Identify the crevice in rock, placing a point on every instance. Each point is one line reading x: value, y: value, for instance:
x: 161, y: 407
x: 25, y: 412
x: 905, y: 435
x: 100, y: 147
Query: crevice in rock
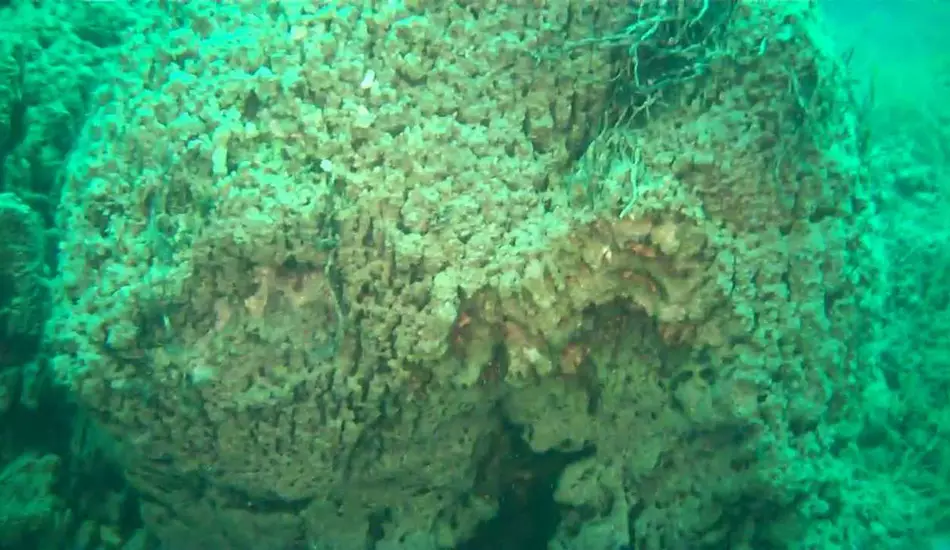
x: 523, y: 482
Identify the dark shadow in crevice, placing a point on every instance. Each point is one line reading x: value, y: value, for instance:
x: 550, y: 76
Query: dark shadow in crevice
x: 523, y: 482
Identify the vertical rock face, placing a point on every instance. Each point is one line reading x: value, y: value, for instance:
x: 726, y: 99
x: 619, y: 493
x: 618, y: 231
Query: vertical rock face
x: 390, y: 274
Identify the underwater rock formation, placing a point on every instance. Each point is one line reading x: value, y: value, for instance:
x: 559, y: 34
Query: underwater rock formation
x: 394, y: 274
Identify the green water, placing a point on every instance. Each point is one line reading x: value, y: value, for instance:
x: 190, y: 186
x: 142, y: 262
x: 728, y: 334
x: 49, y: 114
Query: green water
x: 474, y: 275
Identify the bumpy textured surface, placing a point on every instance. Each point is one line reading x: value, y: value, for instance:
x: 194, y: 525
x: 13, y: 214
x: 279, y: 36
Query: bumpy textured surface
x: 320, y: 265
x: 51, y: 55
